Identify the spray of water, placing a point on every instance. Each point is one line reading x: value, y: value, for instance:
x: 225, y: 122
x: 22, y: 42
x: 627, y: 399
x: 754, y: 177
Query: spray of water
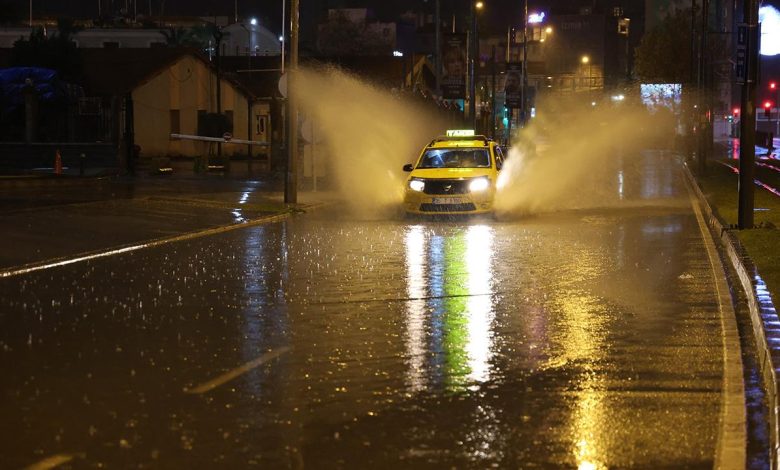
x: 569, y: 159
x: 369, y: 134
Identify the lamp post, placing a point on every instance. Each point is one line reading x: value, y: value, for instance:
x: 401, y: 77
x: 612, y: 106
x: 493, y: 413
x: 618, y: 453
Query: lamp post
x: 524, y: 103
x: 281, y: 37
x: 474, y: 47
x: 291, y: 180
x: 586, y: 61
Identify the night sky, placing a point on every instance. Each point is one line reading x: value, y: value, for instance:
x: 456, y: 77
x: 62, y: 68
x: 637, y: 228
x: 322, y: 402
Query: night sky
x: 499, y: 13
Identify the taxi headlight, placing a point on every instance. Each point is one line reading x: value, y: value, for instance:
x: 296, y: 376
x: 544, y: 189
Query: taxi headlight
x: 416, y: 185
x: 479, y: 184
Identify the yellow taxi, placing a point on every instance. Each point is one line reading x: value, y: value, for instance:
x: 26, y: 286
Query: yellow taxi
x: 455, y: 174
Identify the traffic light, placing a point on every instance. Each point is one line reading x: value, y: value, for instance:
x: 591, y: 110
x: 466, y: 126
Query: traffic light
x: 735, y: 112
x: 767, y: 109
x: 773, y: 85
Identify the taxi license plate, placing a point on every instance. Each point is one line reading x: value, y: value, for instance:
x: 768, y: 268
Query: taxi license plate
x: 447, y: 200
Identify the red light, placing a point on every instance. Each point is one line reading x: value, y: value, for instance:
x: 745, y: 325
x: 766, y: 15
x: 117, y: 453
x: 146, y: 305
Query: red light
x: 735, y: 111
x: 767, y: 104
x: 772, y: 85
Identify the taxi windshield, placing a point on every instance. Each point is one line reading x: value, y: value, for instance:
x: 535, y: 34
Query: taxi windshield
x: 455, y: 158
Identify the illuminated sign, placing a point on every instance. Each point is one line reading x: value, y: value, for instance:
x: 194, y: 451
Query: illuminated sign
x: 460, y: 132
x: 769, y: 17
x: 657, y: 95
x: 535, y: 18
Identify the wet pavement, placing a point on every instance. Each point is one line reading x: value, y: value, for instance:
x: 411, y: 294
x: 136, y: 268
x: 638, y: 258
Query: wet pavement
x: 588, y: 338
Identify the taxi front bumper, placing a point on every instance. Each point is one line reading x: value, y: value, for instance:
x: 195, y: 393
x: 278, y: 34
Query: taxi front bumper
x: 416, y: 202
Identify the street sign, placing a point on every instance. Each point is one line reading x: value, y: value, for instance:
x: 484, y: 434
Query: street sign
x: 745, y: 64
x: 740, y: 66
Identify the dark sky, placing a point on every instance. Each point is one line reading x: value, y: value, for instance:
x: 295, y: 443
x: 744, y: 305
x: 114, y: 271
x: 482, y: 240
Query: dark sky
x: 499, y: 13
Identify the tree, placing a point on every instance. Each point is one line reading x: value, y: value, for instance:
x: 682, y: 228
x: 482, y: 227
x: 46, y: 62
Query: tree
x: 664, y: 54
x: 9, y: 13
x: 340, y: 36
x: 57, y: 51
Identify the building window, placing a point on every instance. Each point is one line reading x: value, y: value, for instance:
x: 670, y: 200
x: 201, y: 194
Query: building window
x: 623, y: 26
x: 175, y: 121
x: 617, y: 11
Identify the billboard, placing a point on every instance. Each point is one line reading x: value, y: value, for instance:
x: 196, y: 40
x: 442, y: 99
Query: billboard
x: 658, y: 95
x: 454, y: 67
x: 769, y: 17
x: 513, y: 85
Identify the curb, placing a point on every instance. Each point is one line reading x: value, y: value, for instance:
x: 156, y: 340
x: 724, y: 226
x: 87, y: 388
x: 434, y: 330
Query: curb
x: 763, y: 316
x: 37, y: 181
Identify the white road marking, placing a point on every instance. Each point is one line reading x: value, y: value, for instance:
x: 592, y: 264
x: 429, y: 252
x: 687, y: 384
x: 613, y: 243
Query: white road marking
x: 51, y: 462
x: 732, y: 433
x: 228, y: 376
x: 40, y: 266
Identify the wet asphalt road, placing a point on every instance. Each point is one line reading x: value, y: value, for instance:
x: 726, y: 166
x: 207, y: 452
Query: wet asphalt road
x: 578, y: 339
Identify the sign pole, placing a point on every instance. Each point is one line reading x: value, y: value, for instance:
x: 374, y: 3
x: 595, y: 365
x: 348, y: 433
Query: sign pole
x: 291, y: 181
x: 747, y: 73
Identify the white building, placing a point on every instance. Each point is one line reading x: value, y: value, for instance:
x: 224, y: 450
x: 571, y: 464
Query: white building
x: 239, y: 39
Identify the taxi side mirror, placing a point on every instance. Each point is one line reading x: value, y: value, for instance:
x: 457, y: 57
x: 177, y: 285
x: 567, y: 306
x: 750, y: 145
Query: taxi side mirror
x: 408, y: 167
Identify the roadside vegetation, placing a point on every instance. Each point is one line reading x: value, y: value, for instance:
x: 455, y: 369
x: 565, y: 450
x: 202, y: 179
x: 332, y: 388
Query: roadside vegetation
x: 762, y: 243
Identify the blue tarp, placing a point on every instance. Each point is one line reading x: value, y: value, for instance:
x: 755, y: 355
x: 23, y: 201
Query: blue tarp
x: 47, y: 84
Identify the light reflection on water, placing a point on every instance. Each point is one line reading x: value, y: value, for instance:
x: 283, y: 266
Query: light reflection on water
x: 449, y: 311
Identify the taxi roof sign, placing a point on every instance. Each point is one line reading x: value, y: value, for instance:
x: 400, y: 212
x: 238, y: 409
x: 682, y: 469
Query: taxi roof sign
x: 460, y: 132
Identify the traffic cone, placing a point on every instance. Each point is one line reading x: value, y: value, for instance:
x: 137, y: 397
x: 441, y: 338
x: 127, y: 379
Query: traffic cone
x: 57, y: 163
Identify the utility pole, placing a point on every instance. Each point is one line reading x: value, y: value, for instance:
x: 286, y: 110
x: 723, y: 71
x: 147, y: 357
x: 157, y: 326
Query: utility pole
x: 218, y: 41
x: 291, y: 181
x: 747, y: 58
x: 437, y: 45
x: 473, y: 45
x: 493, y: 92
x: 524, y: 103
x: 702, y: 92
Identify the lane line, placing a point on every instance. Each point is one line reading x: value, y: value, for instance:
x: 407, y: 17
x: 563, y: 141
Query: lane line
x: 731, y: 448
x: 404, y: 299
x: 56, y: 262
x: 51, y: 462
x: 238, y: 371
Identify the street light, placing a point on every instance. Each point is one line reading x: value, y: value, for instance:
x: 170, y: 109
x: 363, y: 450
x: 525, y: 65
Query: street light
x: 586, y: 61
x: 475, y: 6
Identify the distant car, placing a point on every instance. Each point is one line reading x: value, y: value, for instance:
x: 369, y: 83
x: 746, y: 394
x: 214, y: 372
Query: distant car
x: 455, y: 174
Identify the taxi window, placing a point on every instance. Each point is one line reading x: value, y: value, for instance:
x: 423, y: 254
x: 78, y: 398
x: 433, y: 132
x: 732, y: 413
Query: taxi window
x: 499, y: 157
x: 455, y: 158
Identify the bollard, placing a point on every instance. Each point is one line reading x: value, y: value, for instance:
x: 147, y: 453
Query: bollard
x: 82, y: 161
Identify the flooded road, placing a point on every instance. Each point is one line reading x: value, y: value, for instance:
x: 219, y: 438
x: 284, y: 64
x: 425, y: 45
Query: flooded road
x: 587, y: 338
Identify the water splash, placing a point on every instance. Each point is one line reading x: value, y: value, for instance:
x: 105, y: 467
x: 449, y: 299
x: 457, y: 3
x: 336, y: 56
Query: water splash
x: 570, y: 159
x: 368, y: 136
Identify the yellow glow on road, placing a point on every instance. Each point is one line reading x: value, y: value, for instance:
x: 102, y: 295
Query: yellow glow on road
x: 479, y: 251
x: 415, y: 318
